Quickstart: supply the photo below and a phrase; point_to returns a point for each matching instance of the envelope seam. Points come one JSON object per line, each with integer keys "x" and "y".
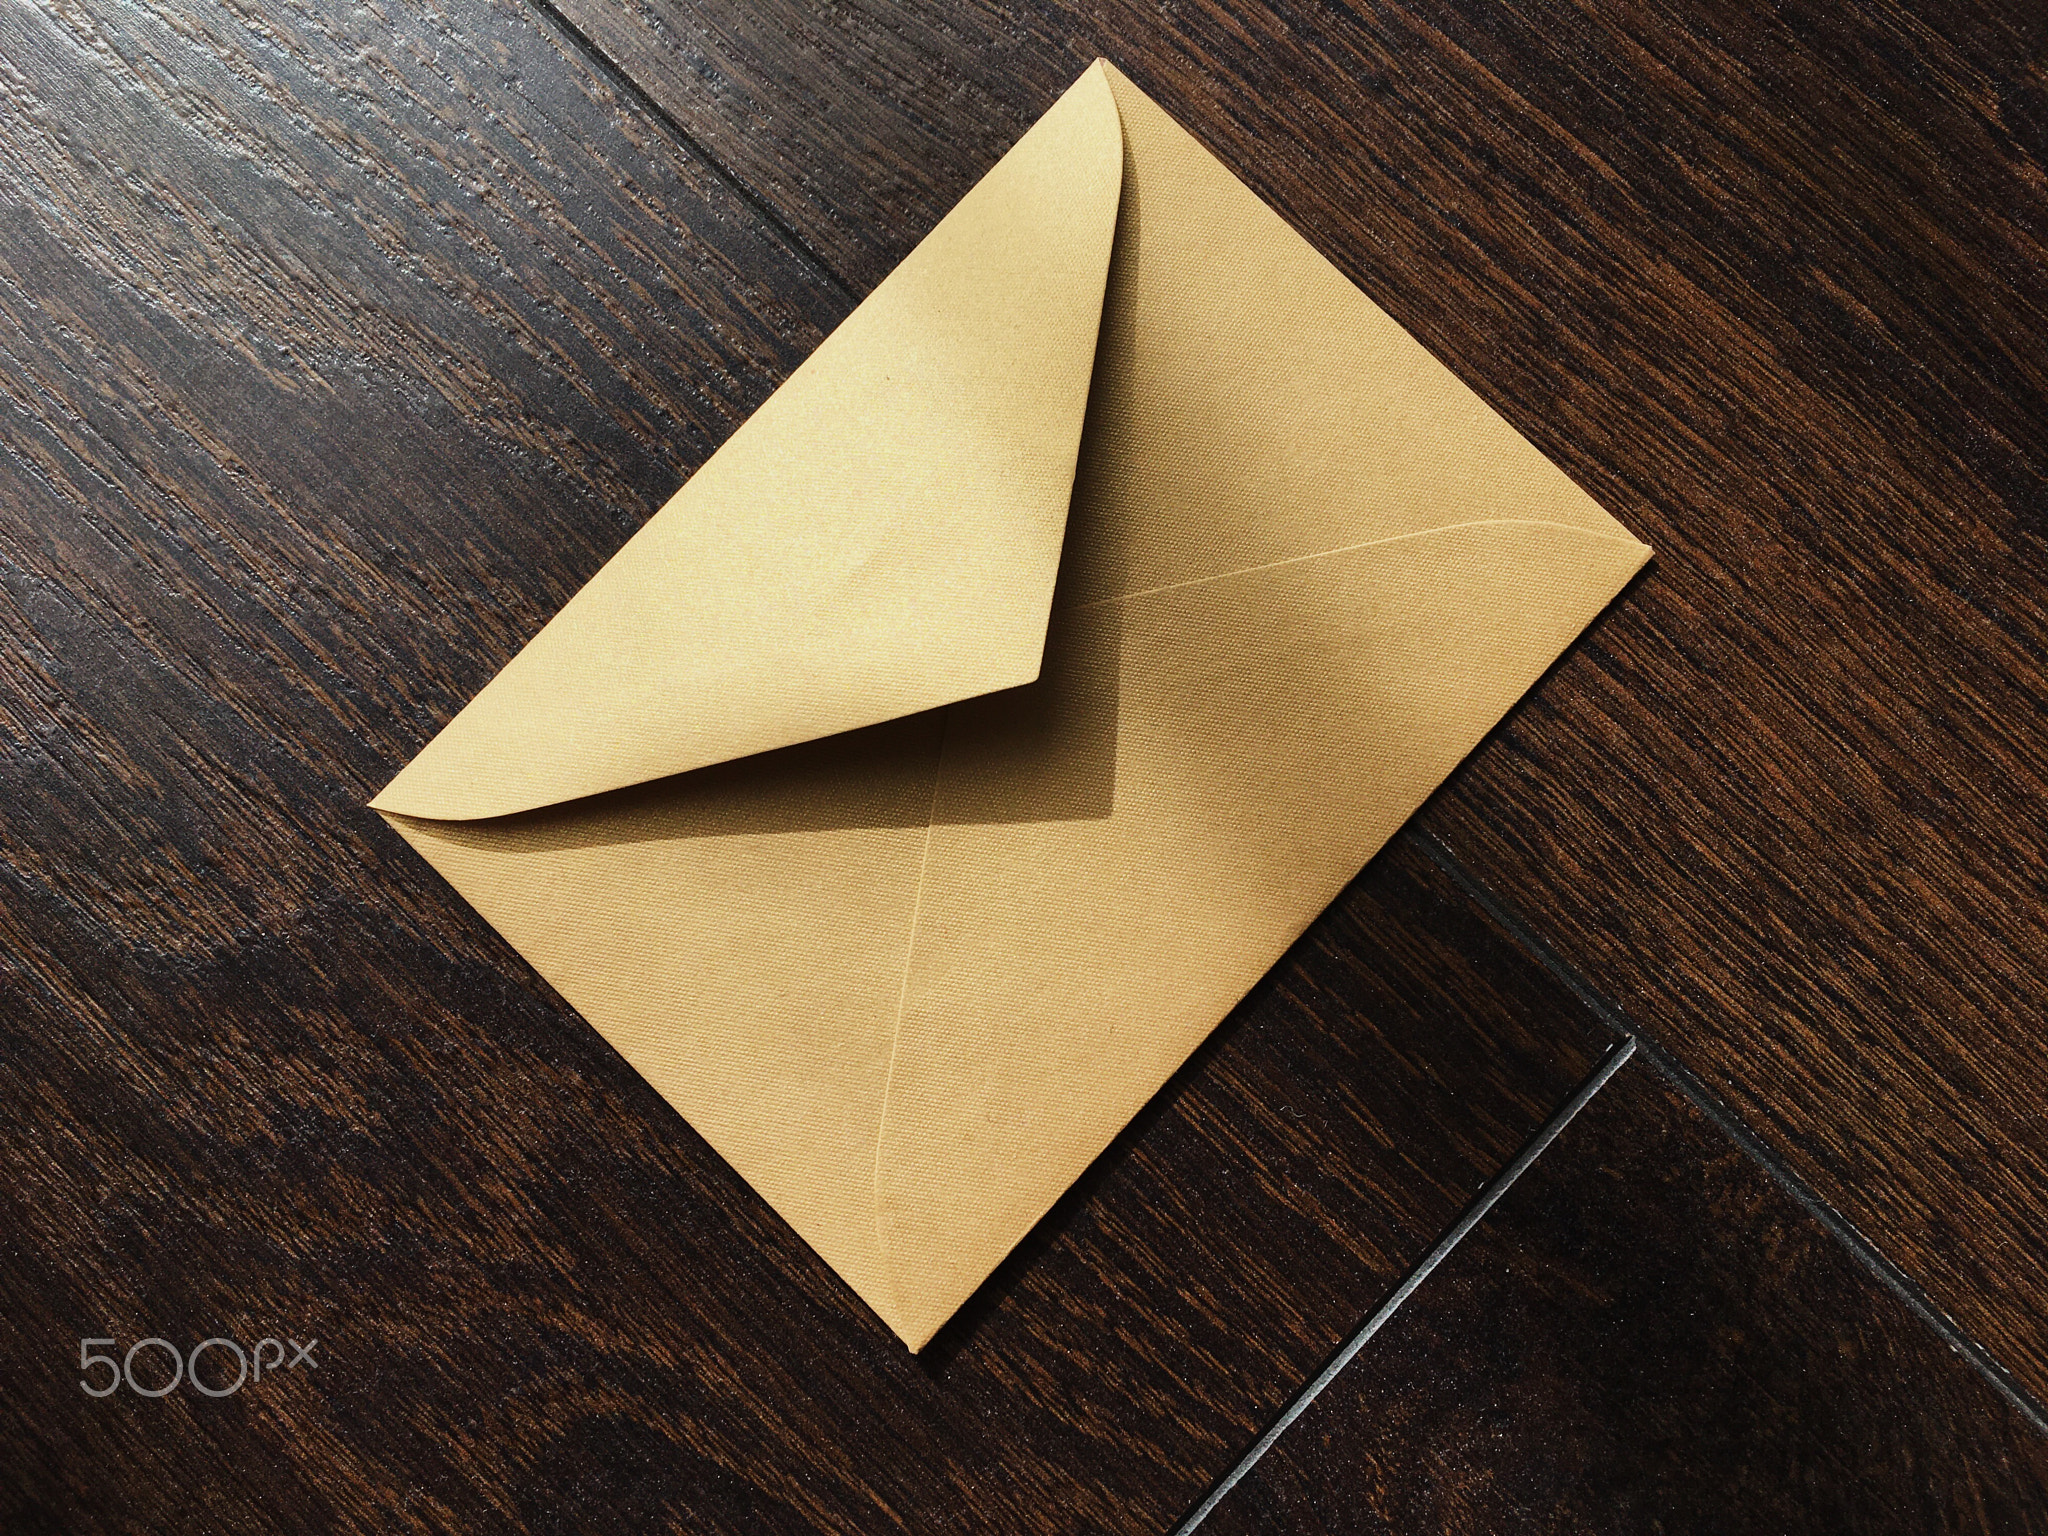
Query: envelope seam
{"x": 902, "y": 1003}
{"x": 1345, "y": 549}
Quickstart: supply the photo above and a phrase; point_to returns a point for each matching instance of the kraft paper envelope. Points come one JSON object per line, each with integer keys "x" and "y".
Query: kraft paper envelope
{"x": 912, "y": 794}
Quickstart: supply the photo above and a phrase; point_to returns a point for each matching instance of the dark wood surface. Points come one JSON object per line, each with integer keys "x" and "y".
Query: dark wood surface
{"x": 1648, "y": 1334}
{"x": 338, "y": 346}
{"x": 1772, "y": 283}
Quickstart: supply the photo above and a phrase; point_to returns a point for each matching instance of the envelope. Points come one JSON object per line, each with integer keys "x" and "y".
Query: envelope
{"x": 911, "y": 795}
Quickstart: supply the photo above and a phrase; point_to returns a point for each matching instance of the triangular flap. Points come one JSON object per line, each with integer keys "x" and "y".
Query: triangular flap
{"x": 879, "y": 538}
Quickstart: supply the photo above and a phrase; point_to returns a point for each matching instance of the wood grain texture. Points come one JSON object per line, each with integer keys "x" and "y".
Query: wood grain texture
{"x": 1772, "y": 283}
{"x": 338, "y": 344}
{"x": 1648, "y": 1334}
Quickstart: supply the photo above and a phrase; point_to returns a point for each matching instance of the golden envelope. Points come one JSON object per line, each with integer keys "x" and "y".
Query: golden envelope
{"x": 911, "y": 795}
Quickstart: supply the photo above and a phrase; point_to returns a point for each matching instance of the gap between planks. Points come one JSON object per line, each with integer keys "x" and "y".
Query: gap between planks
{"x": 621, "y": 81}
{"x": 1688, "y": 1083}
{"x": 1617, "y": 1056}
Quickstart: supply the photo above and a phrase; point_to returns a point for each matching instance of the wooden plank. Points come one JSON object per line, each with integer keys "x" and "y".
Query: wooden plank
{"x": 338, "y": 345}
{"x": 1771, "y": 284}
{"x": 1647, "y": 1333}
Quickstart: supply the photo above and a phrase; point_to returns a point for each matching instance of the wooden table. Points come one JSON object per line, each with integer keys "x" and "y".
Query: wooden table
{"x": 339, "y": 343}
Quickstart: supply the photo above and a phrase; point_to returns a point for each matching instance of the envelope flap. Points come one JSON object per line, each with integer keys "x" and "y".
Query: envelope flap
{"x": 879, "y": 538}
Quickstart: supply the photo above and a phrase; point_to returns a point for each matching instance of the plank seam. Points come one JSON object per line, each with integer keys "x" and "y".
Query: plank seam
{"x": 1687, "y": 1082}
{"x": 621, "y": 80}
{"x": 1617, "y": 1056}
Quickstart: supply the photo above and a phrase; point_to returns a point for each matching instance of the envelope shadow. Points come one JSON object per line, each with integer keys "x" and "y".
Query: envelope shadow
{"x": 1042, "y": 752}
